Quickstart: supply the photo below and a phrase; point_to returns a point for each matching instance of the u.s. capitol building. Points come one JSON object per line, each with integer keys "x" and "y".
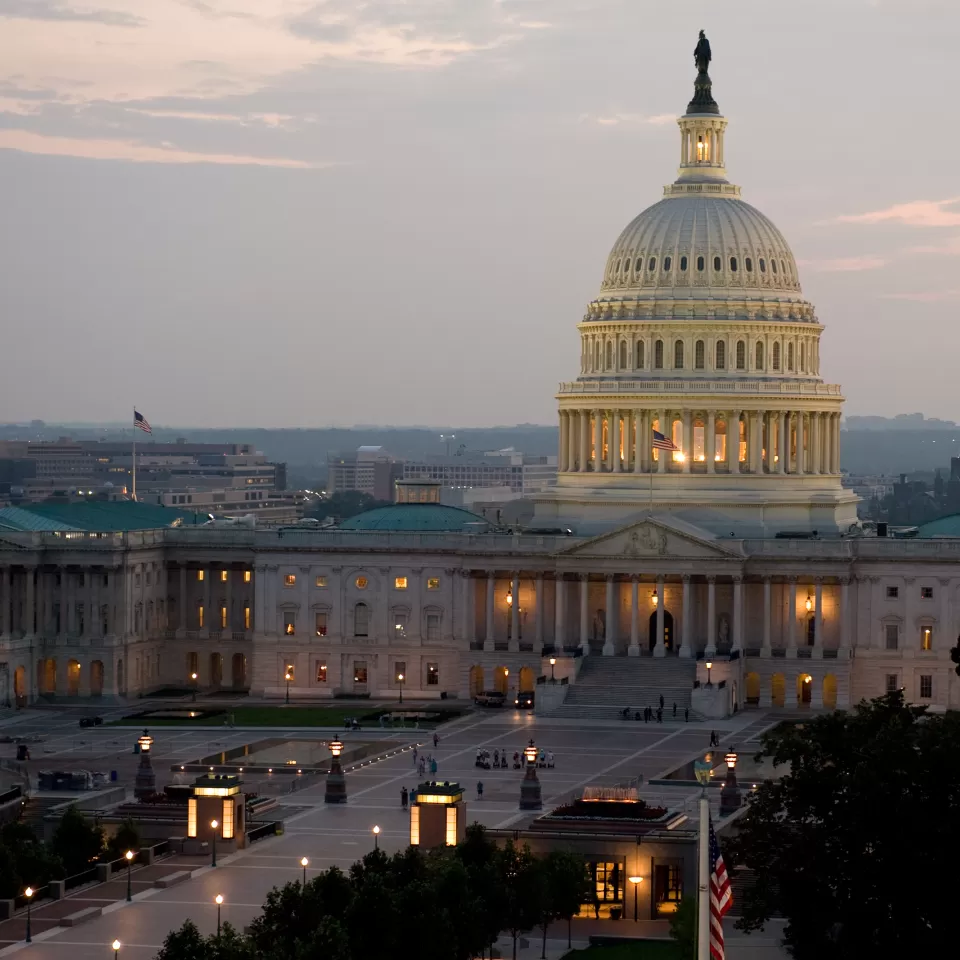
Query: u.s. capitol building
{"x": 699, "y": 470}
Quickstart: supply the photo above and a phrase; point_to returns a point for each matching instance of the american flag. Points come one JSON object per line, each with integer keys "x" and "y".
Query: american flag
{"x": 721, "y": 896}
{"x": 660, "y": 442}
{"x": 139, "y": 420}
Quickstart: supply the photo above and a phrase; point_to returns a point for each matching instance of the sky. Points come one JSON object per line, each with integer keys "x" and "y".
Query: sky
{"x": 331, "y": 212}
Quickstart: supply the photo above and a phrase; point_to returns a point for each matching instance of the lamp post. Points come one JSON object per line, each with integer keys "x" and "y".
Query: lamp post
{"x": 553, "y": 663}
{"x": 703, "y": 770}
{"x": 303, "y": 863}
{"x": 128, "y": 856}
{"x": 336, "y": 787}
{"x": 709, "y": 666}
{"x": 193, "y": 677}
{"x": 288, "y": 676}
{"x": 400, "y": 680}
{"x": 636, "y": 881}
{"x": 376, "y": 838}
{"x": 28, "y": 893}
{"x": 116, "y": 949}
{"x": 531, "y": 794}
{"x": 730, "y": 794}
{"x": 219, "y": 902}
{"x": 145, "y": 783}
{"x": 213, "y": 826}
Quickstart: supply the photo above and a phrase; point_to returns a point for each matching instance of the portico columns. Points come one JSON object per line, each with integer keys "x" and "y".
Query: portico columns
{"x": 613, "y": 431}
{"x": 783, "y": 442}
{"x": 765, "y": 649}
{"x": 733, "y": 442}
{"x": 818, "y": 617}
{"x": 641, "y": 445}
{"x": 687, "y": 440}
{"x": 488, "y": 634}
{"x": 634, "y": 649}
{"x": 628, "y": 435}
{"x": 801, "y": 451}
{"x": 660, "y": 650}
{"x": 514, "y": 641}
{"x": 711, "y": 649}
{"x": 710, "y": 442}
{"x": 584, "y": 439}
{"x": 558, "y": 621}
{"x": 611, "y": 618}
{"x": 756, "y": 442}
{"x": 64, "y": 607}
{"x": 662, "y": 455}
{"x": 737, "y": 614}
{"x": 685, "y": 649}
{"x": 815, "y": 443}
{"x": 792, "y": 619}
{"x": 584, "y": 614}
{"x": 770, "y": 419}
{"x": 207, "y": 613}
{"x": 845, "y": 613}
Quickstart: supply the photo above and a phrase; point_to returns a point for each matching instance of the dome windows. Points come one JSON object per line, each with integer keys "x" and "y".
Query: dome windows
{"x": 763, "y": 265}
{"x": 623, "y": 354}
{"x": 721, "y": 355}
{"x": 609, "y": 356}
{"x": 741, "y": 355}
{"x": 748, "y": 264}
{"x": 803, "y": 356}
{"x": 717, "y": 264}
{"x": 638, "y": 266}
{"x": 667, "y": 263}
{"x": 733, "y": 264}
{"x": 776, "y": 356}
{"x": 596, "y": 355}
{"x": 699, "y": 351}
{"x": 790, "y": 357}
{"x": 678, "y": 355}
{"x": 652, "y": 264}
{"x": 701, "y": 263}
{"x": 783, "y": 267}
{"x": 641, "y": 358}
{"x": 658, "y": 355}
{"x": 683, "y": 264}
{"x": 759, "y": 355}
{"x": 773, "y": 266}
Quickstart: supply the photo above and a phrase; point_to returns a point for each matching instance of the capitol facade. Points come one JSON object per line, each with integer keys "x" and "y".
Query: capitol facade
{"x": 698, "y": 518}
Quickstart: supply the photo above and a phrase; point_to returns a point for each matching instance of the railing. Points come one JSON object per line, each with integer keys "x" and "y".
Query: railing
{"x": 263, "y": 831}
{"x": 79, "y": 879}
{"x": 757, "y": 387}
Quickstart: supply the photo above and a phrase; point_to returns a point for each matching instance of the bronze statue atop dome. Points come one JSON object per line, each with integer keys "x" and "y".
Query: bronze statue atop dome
{"x": 702, "y": 55}
{"x": 702, "y": 101}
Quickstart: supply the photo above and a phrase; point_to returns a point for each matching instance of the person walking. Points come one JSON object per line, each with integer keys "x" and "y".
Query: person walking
{"x": 436, "y": 741}
{"x": 661, "y": 701}
{"x": 660, "y": 715}
{"x": 686, "y": 714}
{"x": 674, "y": 709}
{"x": 415, "y": 752}
{"x": 479, "y": 789}
{"x": 403, "y": 797}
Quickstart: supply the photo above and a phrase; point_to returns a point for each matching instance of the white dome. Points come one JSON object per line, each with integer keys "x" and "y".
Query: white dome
{"x": 694, "y": 247}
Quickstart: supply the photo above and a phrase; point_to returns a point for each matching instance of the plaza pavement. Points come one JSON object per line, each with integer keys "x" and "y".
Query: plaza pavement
{"x": 586, "y": 752}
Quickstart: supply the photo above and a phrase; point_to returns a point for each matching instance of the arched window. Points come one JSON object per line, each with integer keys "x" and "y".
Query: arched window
{"x": 658, "y": 355}
{"x": 741, "y": 355}
{"x": 783, "y": 268}
{"x": 698, "y": 354}
{"x": 790, "y": 357}
{"x": 759, "y": 356}
{"x": 776, "y": 356}
{"x": 678, "y": 355}
{"x": 733, "y": 264}
{"x": 717, "y": 264}
{"x": 596, "y": 355}
{"x": 638, "y": 265}
{"x": 619, "y": 266}
{"x": 803, "y": 356}
{"x": 763, "y": 265}
{"x": 652, "y": 264}
{"x": 748, "y": 263}
{"x": 667, "y": 263}
{"x": 641, "y": 360}
{"x": 623, "y": 354}
{"x": 773, "y": 265}
{"x": 721, "y": 355}
{"x": 608, "y": 357}
{"x": 701, "y": 263}
{"x": 361, "y": 620}
{"x": 683, "y": 264}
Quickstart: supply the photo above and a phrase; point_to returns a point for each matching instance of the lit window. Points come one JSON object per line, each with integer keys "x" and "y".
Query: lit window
{"x": 451, "y": 832}
{"x": 223, "y": 618}
{"x": 321, "y": 581}
{"x": 200, "y": 616}
{"x": 321, "y": 671}
{"x": 289, "y": 623}
{"x": 893, "y": 593}
{"x": 359, "y": 671}
{"x": 926, "y": 593}
{"x": 289, "y": 579}
{"x": 223, "y": 576}
{"x": 227, "y": 822}
{"x": 433, "y": 674}
{"x": 414, "y": 825}
{"x": 892, "y": 633}
{"x": 361, "y": 583}
{"x": 246, "y": 618}
{"x": 926, "y": 687}
{"x": 201, "y": 574}
{"x": 892, "y": 683}
{"x": 433, "y": 583}
{"x": 926, "y": 638}
{"x": 400, "y": 583}
{"x": 191, "y": 816}
{"x": 289, "y": 673}
{"x": 321, "y": 623}
{"x": 247, "y": 576}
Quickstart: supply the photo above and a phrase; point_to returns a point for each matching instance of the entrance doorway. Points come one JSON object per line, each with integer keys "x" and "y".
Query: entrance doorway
{"x": 239, "y": 670}
{"x": 216, "y": 671}
{"x": 667, "y": 631}
{"x": 804, "y": 689}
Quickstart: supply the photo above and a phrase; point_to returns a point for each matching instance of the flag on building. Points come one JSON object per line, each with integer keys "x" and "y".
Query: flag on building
{"x": 721, "y": 896}
{"x": 660, "y": 442}
{"x": 140, "y": 421}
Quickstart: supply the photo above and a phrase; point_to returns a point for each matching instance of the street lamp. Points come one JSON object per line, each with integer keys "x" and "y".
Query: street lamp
{"x": 288, "y": 676}
{"x": 709, "y": 666}
{"x": 336, "y": 788}
{"x": 376, "y": 838}
{"x": 730, "y": 794}
{"x": 303, "y": 863}
{"x": 531, "y": 794}
{"x": 128, "y": 856}
{"x": 116, "y": 949}
{"x": 219, "y": 902}
{"x": 193, "y": 677}
{"x": 400, "y": 679}
{"x": 214, "y": 825}
{"x": 28, "y": 893}
{"x": 636, "y": 881}
{"x": 553, "y": 663}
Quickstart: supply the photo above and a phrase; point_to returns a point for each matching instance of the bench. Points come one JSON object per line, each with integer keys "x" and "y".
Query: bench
{"x": 81, "y": 916}
{"x": 172, "y": 879}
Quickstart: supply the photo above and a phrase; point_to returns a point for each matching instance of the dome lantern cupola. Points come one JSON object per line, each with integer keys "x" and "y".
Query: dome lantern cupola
{"x": 702, "y": 127}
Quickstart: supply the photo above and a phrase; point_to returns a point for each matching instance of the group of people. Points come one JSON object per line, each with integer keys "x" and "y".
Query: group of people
{"x": 649, "y": 714}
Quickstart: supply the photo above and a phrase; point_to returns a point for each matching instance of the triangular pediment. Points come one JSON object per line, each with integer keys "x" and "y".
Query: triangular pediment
{"x": 655, "y": 538}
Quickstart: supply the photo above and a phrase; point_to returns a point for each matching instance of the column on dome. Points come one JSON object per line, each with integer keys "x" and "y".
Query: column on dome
{"x": 815, "y": 443}
{"x": 628, "y": 431}
{"x": 562, "y": 455}
{"x": 687, "y": 440}
{"x": 613, "y": 434}
{"x": 755, "y": 444}
{"x": 583, "y": 440}
{"x": 782, "y": 442}
{"x": 710, "y": 441}
{"x": 639, "y": 450}
{"x": 801, "y": 452}
{"x": 836, "y": 418}
{"x": 770, "y": 419}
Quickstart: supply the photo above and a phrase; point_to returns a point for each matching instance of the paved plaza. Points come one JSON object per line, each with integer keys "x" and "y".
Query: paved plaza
{"x": 586, "y": 753}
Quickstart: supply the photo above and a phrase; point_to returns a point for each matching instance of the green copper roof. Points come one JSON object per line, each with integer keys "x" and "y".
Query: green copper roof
{"x": 96, "y": 515}
{"x": 416, "y": 518}
{"x": 943, "y": 527}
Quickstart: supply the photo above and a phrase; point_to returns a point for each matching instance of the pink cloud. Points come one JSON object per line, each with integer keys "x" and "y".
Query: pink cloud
{"x": 925, "y": 296}
{"x": 917, "y": 213}
{"x": 844, "y": 264}
{"x": 950, "y": 247}
{"x": 28, "y": 142}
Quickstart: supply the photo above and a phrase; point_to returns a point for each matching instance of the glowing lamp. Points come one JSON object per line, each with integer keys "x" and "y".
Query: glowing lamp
{"x": 336, "y": 747}
{"x": 731, "y": 759}
{"x": 553, "y": 661}
{"x": 510, "y": 598}
{"x": 29, "y": 892}
{"x": 145, "y": 742}
{"x": 303, "y": 861}
{"x": 655, "y": 599}
{"x": 115, "y": 945}
{"x": 709, "y": 664}
{"x": 808, "y": 604}
{"x": 635, "y": 879}
{"x": 214, "y": 824}
{"x": 218, "y": 899}
{"x": 530, "y": 752}
{"x": 129, "y": 855}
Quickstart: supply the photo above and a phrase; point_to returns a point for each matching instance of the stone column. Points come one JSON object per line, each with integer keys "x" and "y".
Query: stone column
{"x": 584, "y": 439}
{"x": 686, "y": 649}
{"x": 259, "y": 601}
{"x": 765, "y": 649}
{"x": 844, "y": 614}
{"x": 801, "y": 446}
{"x": 628, "y": 446}
{"x": 207, "y": 600}
{"x": 182, "y": 601}
{"x": 711, "y": 648}
{"x": 710, "y": 441}
{"x": 733, "y": 442}
{"x": 562, "y": 444}
{"x": 466, "y": 606}
{"x": 792, "y": 619}
{"x": 660, "y": 650}
{"x": 585, "y": 613}
{"x": 836, "y": 442}
{"x": 815, "y": 443}
{"x": 634, "y": 648}
{"x": 538, "y": 629}
{"x": 737, "y": 614}
{"x": 611, "y": 618}
{"x": 514, "y": 643}
{"x": 771, "y": 420}
{"x": 488, "y": 636}
{"x": 306, "y": 626}
{"x": 663, "y": 454}
{"x": 687, "y": 440}
{"x": 642, "y": 442}
{"x": 613, "y": 432}
{"x": 756, "y": 442}
{"x": 64, "y": 606}
{"x": 559, "y": 614}
{"x": 818, "y": 617}
{"x": 783, "y": 443}
{"x": 29, "y": 607}
{"x": 95, "y": 630}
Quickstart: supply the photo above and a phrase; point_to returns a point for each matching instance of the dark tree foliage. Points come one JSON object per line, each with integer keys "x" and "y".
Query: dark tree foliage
{"x": 683, "y": 928}
{"x": 126, "y": 838}
{"x": 31, "y": 862}
{"x": 77, "y": 841}
{"x": 568, "y": 886}
{"x": 857, "y": 844}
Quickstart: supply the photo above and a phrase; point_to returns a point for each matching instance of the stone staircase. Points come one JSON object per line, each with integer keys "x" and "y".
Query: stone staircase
{"x": 605, "y": 685}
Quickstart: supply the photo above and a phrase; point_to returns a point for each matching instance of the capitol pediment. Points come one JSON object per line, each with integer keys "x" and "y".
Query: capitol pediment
{"x": 655, "y": 538}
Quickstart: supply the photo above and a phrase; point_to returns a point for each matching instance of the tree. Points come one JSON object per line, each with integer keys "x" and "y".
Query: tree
{"x": 126, "y": 838}
{"x": 184, "y": 944}
{"x": 683, "y": 928}
{"x": 567, "y": 888}
{"x": 480, "y": 857}
{"x": 35, "y": 863}
{"x": 524, "y": 890}
{"x": 76, "y": 841}
{"x": 955, "y": 657}
{"x": 869, "y": 797}
{"x": 10, "y": 883}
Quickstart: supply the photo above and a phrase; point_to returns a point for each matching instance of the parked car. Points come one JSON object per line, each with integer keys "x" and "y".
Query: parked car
{"x": 91, "y": 721}
{"x": 524, "y": 700}
{"x": 490, "y": 698}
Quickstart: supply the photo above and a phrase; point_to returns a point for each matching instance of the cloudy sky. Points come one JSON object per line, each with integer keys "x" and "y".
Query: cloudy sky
{"x": 312, "y": 212}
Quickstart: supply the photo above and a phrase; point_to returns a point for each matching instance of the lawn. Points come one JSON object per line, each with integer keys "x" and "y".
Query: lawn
{"x": 636, "y": 950}
{"x": 274, "y": 716}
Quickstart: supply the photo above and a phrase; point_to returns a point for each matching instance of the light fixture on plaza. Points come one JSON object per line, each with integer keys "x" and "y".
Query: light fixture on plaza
{"x": 655, "y": 599}
{"x": 709, "y": 666}
{"x": 730, "y": 794}
{"x": 336, "y": 786}
{"x": 213, "y": 827}
{"x": 193, "y": 677}
{"x": 303, "y": 863}
{"x": 510, "y": 596}
{"x": 145, "y": 784}
{"x": 128, "y": 856}
{"x": 288, "y": 676}
{"x": 400, "y": 681}
{"x": 531, "y": 796}
{"x": 553, "y": 663}
{"x": 218, "y": 899}
{"x": 731, "y": 759}
{"x": 809, "y": 604}
{"x": 28, "y": 893}
{"x": 116, "y": 949}
{"x": 636, "y": 881}
{"x": 376, "y": 838}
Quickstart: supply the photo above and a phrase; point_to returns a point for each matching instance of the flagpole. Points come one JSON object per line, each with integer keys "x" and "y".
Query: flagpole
{"x": 703, "y": 885}
{"x": 134, "y": 453}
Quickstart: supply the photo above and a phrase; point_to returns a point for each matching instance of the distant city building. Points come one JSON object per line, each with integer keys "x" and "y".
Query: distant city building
{"x": 521, "y": 473}
{"x": 370, "y": 470}
{"x": 902, "y": 421}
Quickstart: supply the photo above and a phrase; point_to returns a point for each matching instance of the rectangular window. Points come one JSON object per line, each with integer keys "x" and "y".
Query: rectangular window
{"x": 290, "y": 580}
{"x": 321, "y": 623}
{"x": 400, "y": 583}
{"x": 223, "y": 576}
{"x": 223, "y": 618}
{"x": 893, "y": 593}
{"x": 149, "y": 579}
{"x": 400, "y": 671}
{"x": 289, "y": 623}
{"x": 247, "y": 576}
{"x": 191, "y": 816}
{"x": 414, "y": 825}
{"x": 893, "y": 635}
{"x": 200, "y": 617}
{"x": 289, "y": 673}
{"x": 136, "y": 580}
{"x": 433, "y": 626}
{"x": 451, "y": 832}
{"x": 200, "y": 575}
{"x": 227, "y": 826}
{"x": 399, "y": 624}
{"x": 668, "y": 887}
{"x": 926, "y": 637}
{"x": 246, "y": 618}
{"x": 926, "y": 593}
{"x": 892, "y": 685}
{"x": 926, "y": 687}
{"x": 433, "y": 583}
{"x": 321, "y": 671}
{"x": 433, "y": 674}
{"x": 321, "y": 581}
{"x": 359, "y": 671}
